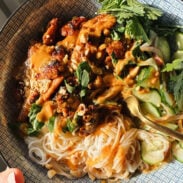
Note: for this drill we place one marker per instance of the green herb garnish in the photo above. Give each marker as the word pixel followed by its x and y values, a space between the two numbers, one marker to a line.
pixel 51 123
pixel 135 30
pixel 69 88
pixel 114 59
pixel 83 76
pixel 35 125
pixel 125 9
pixel 133 18
pixel 176 64
pixel 177 81
pixel 73 124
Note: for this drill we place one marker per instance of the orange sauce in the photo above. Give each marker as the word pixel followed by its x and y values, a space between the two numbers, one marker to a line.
pixel 70 41
pixel 41 55
pixel 46 111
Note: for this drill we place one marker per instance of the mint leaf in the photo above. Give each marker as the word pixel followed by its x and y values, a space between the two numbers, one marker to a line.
pixel 83 75
pixel 34 125
pixel 82 66
pixel 69 88
pixel 51 123
pixel 34 110
pixel 83 92
pixel 114 59
pixel 85 78
pixel 71 124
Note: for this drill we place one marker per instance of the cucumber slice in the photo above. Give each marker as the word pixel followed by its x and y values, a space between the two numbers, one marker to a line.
pixel 146 76
pixel 166 97
pixel 177 151
pixel 149 62
pixel 172 126
pixel 163 46
pixel 181 144
pixel 179 40
pixel 178 54
pixel 154 152
pixel 167 110
pixel 148 108
pixel 152 97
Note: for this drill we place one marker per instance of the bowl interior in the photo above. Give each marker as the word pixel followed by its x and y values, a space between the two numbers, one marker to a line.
pixel 24 26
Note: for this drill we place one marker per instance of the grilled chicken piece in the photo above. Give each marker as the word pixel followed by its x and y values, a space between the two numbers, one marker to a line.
pixel 50 34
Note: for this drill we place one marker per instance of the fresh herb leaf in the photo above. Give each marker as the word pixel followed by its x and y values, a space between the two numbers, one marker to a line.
pixel 73 124
pixel 134 30
pixel 171 79
pixel 83 92
pixel 83 75
pixel 85 78
pixel 152 13
pixel 143 75
pixel 176 64
pixel 125 9
pixel 175 86
pixel 116 36
pixel 35 125
pixel 116 33
pixel 79 72
pixel 167 30
pixel 69 88
pixel 114 59
pixel 178 90
pixel 137 53
pixel 51 123
pixel 34 110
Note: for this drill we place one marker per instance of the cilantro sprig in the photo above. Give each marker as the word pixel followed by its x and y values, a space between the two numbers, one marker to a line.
pixel 175 80
pixel 125 9
pixel 176 64
pixel 133 18
pixel 135 30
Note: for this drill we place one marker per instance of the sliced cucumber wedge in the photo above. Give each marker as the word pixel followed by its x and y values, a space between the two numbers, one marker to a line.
pixel 152 97
pixel 154 151
pixel 167 110
pixel 146 76
pixel 149 62
pixel 150 109
pixel 181 144
pixel 178 54
pixel 179 40
pixel 177 151
pixel 172 126
pixel 164 47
